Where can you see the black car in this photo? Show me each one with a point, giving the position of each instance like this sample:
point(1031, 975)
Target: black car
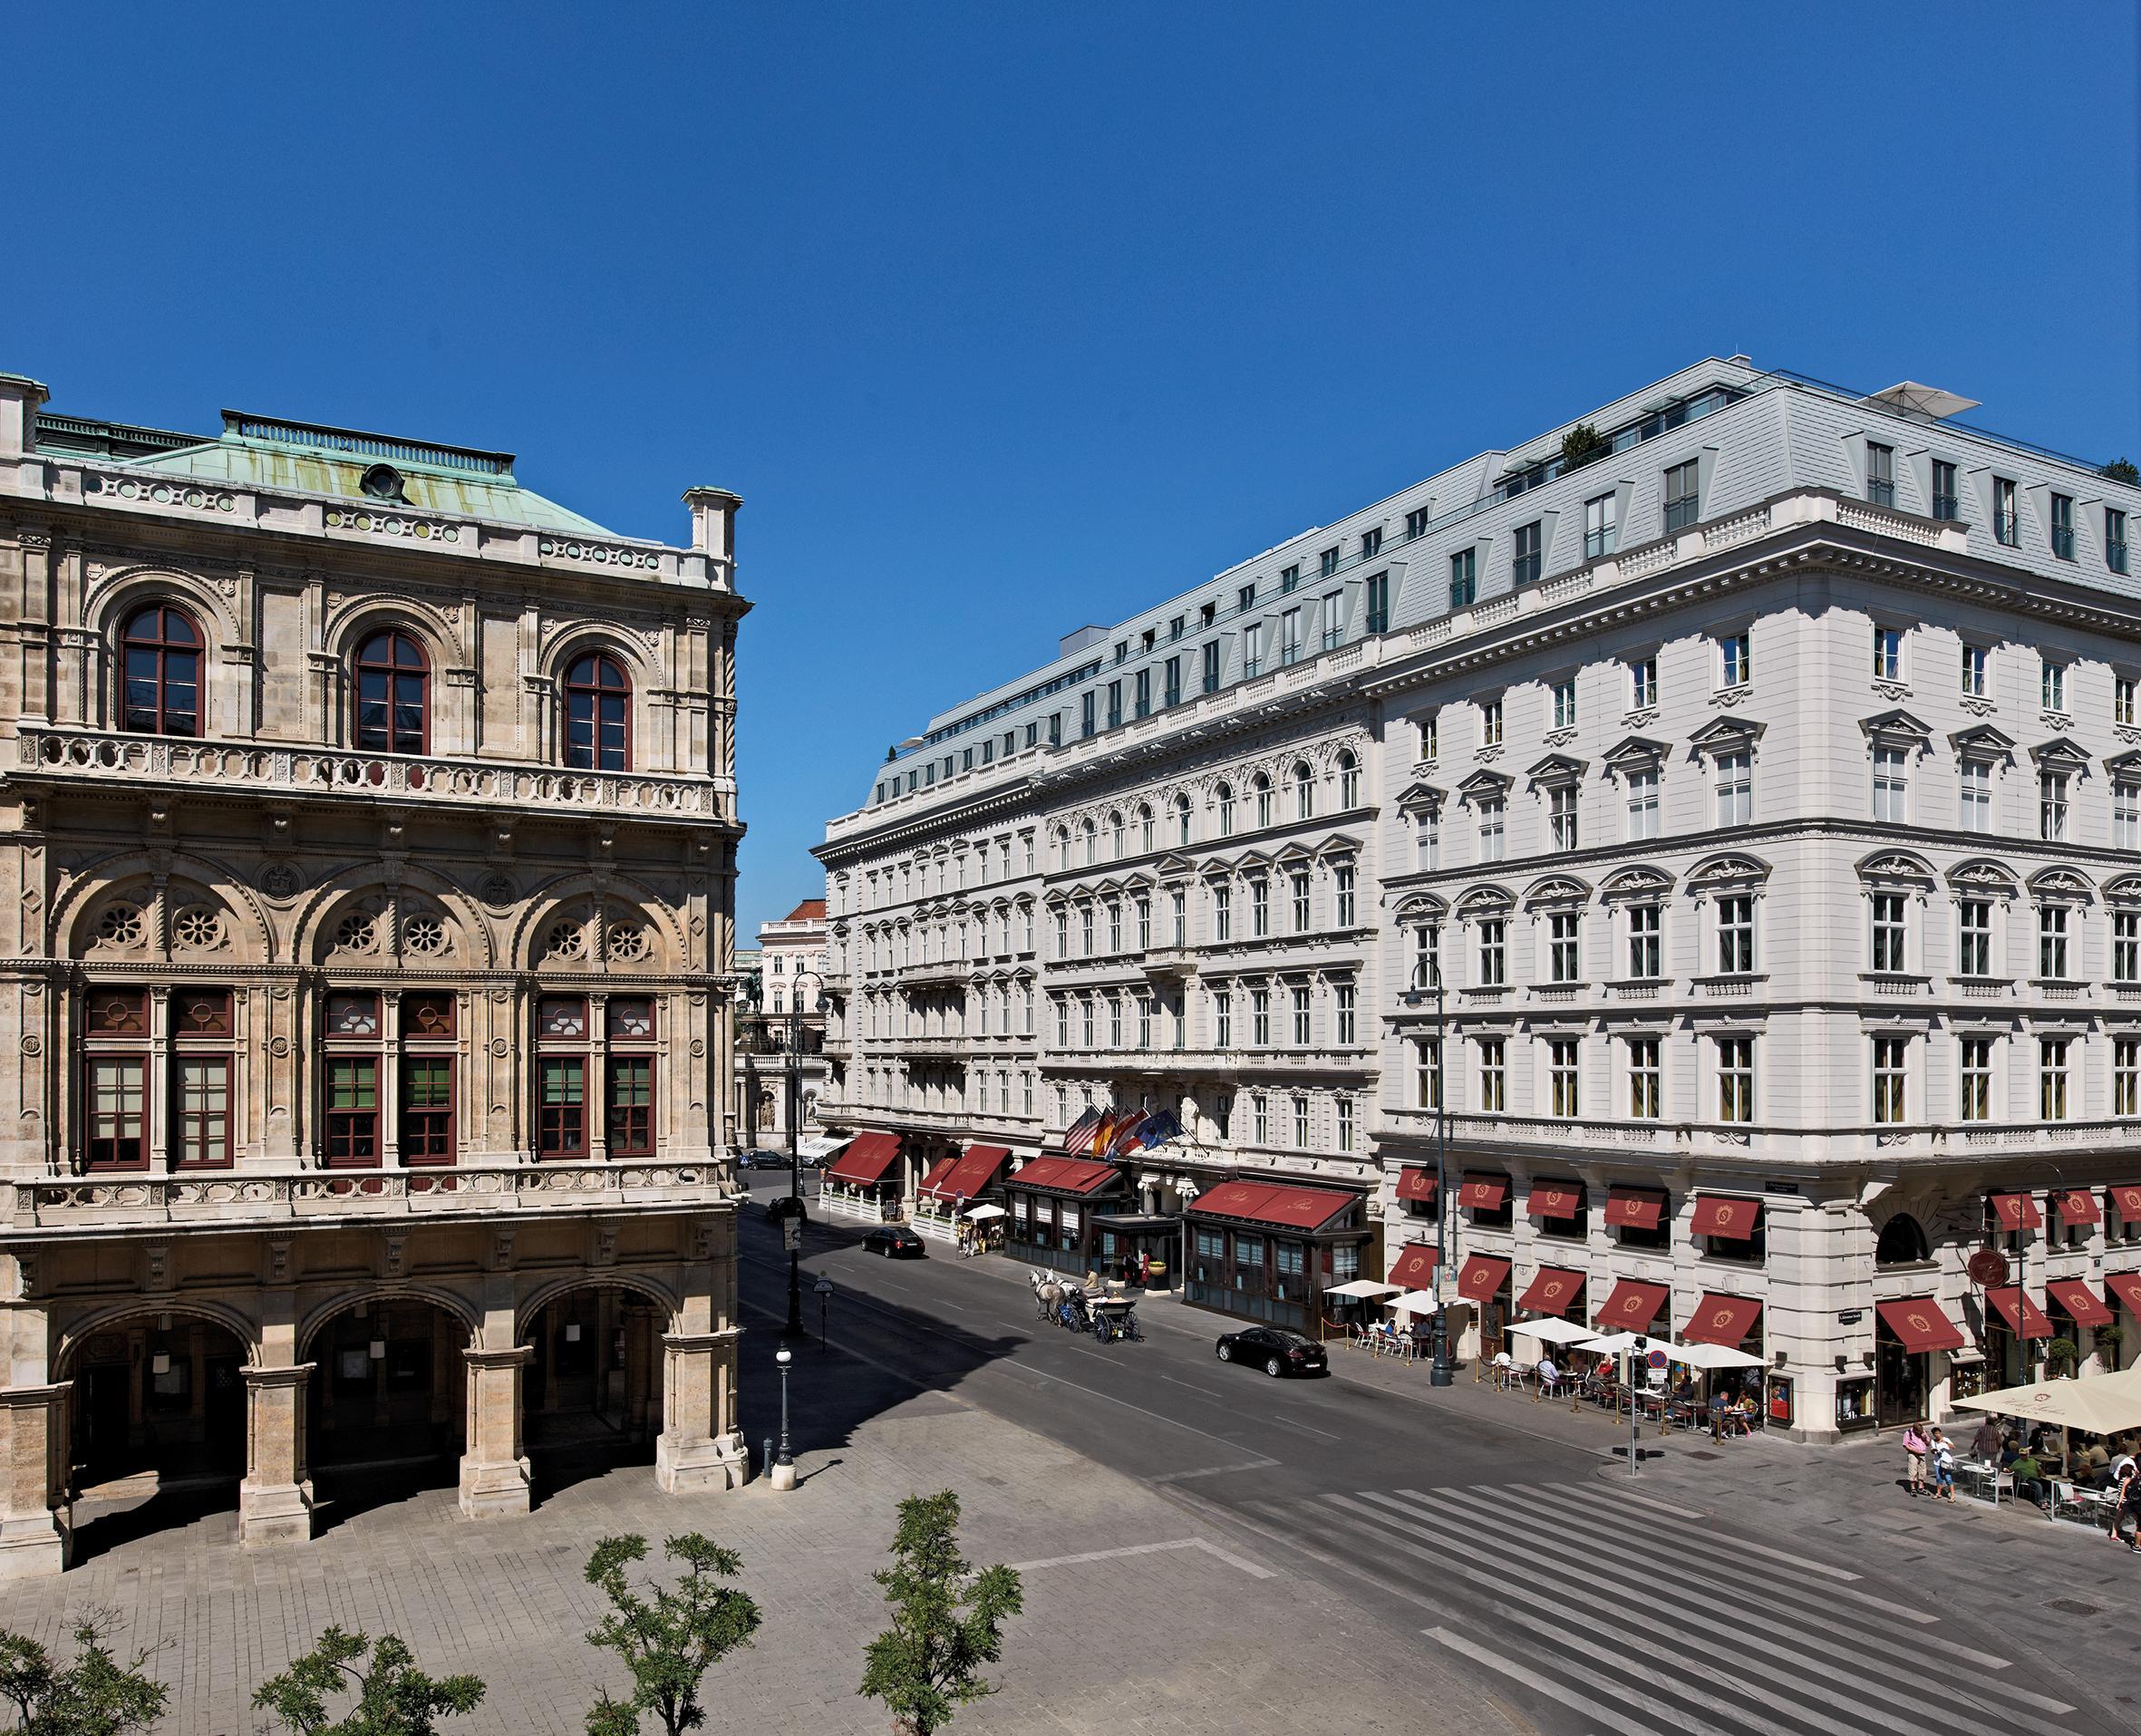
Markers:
point(760, 1159)
point(1276, 1352)
point(785, 1206)
point(895, 1242)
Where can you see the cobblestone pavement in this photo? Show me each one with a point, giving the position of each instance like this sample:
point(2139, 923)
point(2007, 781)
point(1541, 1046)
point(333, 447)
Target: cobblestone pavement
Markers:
point(1161, 1627)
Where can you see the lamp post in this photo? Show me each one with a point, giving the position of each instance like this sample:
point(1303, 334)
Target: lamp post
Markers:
point(1439, 1371)
point(784, 1468)
point(793, 1083)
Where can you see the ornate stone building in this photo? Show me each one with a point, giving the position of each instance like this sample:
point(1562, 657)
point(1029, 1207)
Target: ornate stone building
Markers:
point(783, 1015)
point(370, 841)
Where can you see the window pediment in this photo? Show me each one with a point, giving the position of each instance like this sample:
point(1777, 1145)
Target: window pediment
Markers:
point(1722, 871)
point(2059, 754)
point(1895, 729)
point(1983, 745)
point(2061, 884)
point(2125, 889)
point(1637, 883)
point(1895, 868)
point(1555, 771)
point(1418, 799)
point(1485, 901)
point(1485, 786)
point(1726, 735)
point(1422, 906)
point(1635, 754)
point(1556, 890)
point(1983, 875)
point(2125, 767)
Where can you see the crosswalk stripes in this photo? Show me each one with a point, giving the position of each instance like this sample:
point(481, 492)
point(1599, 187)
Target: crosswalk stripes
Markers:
point(1598, 1598)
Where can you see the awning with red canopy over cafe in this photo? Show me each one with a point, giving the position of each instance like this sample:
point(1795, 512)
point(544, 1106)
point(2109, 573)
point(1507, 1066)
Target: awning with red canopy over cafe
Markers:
point(1481, 1277)
point(1273, 1206)
point(1552, 1290)
point(2076, 1206)
point(1559, 1199)
point(865, 1159)
point(1415, 1186)
point(1632, 1306)
point(1722, 1215)
point(967, 1175)
point(2017, 1211)
point(2126, 1196)
point(2084, 1306)
point(1722, 1320)
point(1483, 1193)
point(1920, 1323)
point(1414, 1268)
point(2127, 1287)
point(2023, 1316)
point(1634, 1208)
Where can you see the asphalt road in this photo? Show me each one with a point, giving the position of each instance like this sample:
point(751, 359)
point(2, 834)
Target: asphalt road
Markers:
point(1582, 1604)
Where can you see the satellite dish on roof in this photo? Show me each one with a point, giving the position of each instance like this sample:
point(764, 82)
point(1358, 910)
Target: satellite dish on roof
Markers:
point(1923, 404)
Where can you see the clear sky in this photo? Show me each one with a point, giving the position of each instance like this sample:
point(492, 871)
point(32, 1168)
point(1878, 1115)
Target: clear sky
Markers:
point(1006, 318)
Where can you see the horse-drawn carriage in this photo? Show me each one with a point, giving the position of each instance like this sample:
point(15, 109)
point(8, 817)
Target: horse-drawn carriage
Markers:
point(1072, 1306)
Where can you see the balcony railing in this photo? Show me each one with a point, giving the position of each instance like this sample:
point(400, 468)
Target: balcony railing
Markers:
point(163, 762)
point(298, 1196)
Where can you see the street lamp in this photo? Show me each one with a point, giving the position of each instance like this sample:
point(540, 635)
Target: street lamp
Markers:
point(784, 1468)
point(793, 1083)
point(1438, 1370)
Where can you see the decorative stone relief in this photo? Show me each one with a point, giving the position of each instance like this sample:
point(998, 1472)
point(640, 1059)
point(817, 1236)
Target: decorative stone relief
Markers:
point(498, 890)
point(280, 880)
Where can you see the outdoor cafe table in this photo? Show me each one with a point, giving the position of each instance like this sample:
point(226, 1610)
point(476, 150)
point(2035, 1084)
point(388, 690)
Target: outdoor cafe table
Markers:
point(1985, 1484)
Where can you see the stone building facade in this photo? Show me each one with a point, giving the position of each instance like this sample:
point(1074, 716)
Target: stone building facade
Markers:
point(783, 1015)
point(369, 841)
point(1754, 766)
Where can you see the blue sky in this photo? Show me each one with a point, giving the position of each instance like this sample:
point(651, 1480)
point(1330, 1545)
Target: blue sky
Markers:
point(1006, 318)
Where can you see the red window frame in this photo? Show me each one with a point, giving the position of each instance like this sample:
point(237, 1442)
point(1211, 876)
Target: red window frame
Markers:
point(188, 1150)
point(426, 1132)
point(104, 1155)
point(352, 1134)
point(629, 1128)
point(392, 671)
point(597, 715)
point(165, 643)
point(561, 1127)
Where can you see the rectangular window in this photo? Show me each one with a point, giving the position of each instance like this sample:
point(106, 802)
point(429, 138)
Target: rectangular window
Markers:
point(2115, 540)
point(1681, 491)
point(1736, 934)
point(1490, 723)
point(1114, 704)
point(427, 1109)
point(1601, 525)
point(1646, 1093)
point(1977, 796)
point(1326, 565)
point(1563, 1077)
point(1735, 665)
point(1428, 841)
point(1171, 686)
point(2063, 525)
point(1260, 1130)
point(1736, 1078)
point(1974, 658)
point(1426, 956)
point(1493, 829)
point(2051, 806)
point(1525, 559)
point(1141, 694)
point(1371, 543)
point(1345, 1123)
point(2051, 1079)
point(1290, 637)
point(1346, 1003)
point(2007, 527)
point(201, 1125)
point(1736, 795)
point(1563, 962)
point(561, 1106)
point(1646, 941)
point(1880, 474)
point(1642, 684)
point(1259, 907)
point(118, 1112)
point(2051, 686)
point(1945, 505)
point(1889, 1054)
point(1565, 703)
point(1301, 1019)
point(1642, 803)
point(1222, 1019)
point(1260, 1017)
point(1334, 620)
point(1298, 882)
point(2122, 699)
point(2126, 1078)
point(1378, 603)
point(1245, 599)
point(1427, 1073)
point(1416, 524)
point(1211, 667)
point(2126, 814)
point(1115, 1021)
point(1343, 887)
point(1085, 717)
point(1973, 933)
point(1975, 1062)
point(1253, 649)
point(2051, 941)
point(1494, 1076)
point(1464, 579)
point(1494, 953)
point(2126, 946)
point(1889, 785)
point(1561, 817)
point(629, 1121)
point(1221, 913)
point(1888, 653)
point(353, 1109)
point(1179, 909)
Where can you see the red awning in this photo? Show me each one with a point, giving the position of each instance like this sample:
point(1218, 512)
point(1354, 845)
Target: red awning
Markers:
point(2017, 1211)
point(2128, 1201)
point(1722, 1320)
point(1553, 1200)
point(967, 1175)
point(1415, 1267)
point(1920, 1323)
point(938, 1170)
point(1065, 1175)
point(1722, 1215)
point(2083, 1305)
point(2127, 1287)
point(865, 1159)
point(1483, 1193)
point(1481, 1276)
point(1261, 1202)
point(1416, 1184)
point(1552, 1290)
point(1632, 1306)
point(2078, 1205)
point(1631, 1208)
point(2021, 1314)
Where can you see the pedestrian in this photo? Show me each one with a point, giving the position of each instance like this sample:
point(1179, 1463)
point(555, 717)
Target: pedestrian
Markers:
point(1717, 1414)
point(1914, 1457)
point(1984, 1445)
point(2126, 1520)
point(1145, 1269)
point(1944, 1467)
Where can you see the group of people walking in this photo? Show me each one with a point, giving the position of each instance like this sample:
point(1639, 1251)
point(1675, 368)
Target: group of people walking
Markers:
point(1928, 1451)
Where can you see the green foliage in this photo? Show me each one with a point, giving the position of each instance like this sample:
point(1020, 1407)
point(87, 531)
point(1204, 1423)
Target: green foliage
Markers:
point(96, 1695)
point(2121, 469)
point(2061, 1354)
point(2110, 1338)
point(394, 1698)
point(946, 1620)
point(1581, 445)
point(671, 1640)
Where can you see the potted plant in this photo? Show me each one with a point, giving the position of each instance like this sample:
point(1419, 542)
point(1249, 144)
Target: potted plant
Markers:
point(2108, 1338)
point(2060, 1356)
point(1582, 445)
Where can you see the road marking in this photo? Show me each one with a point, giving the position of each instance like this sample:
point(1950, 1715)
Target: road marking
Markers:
point(1212, 1470)
point(1194, 1387)
point(1289, 1422)
point(1210, 1547)
point(1538, 1684)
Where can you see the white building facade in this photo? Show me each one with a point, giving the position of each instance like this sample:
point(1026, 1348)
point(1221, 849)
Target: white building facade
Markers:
point(784, 1018)
point(1760, 763)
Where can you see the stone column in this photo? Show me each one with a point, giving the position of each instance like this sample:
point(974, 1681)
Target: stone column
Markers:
point(494, 1467)
point(34, 1532)
point(700, 1446)
point(274, 1500)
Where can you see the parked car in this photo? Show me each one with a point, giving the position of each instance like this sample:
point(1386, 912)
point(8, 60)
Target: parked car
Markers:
point(784, 1206)
point(1275, 1352)
point(760, 1159)
point(896, 1242)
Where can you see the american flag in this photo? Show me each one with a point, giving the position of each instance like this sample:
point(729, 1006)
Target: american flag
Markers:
point(1079, 1134)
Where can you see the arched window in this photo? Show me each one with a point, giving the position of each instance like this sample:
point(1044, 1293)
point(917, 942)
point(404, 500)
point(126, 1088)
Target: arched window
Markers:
point(1145, 837)
point(1263, 801)
point(1182, 821)
point(1902, 1242)
point(1115, 850)
point(598, 716)
point(161, 648)
point(393, 695)
point(1226, 794)
point(1349, 780)
point(1304, 793)
point(1092, 844)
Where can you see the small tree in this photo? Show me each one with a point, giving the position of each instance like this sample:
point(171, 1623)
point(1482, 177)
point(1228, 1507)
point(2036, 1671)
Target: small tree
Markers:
point(394, 1698)
point(95, 1696)
point(2060, 1356)
point(1581, 445)
point(2122, 470)
point(671, 1642)
point(928, 1662)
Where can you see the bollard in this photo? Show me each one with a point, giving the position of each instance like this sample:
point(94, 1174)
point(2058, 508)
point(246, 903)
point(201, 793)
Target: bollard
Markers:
point(766, 1455)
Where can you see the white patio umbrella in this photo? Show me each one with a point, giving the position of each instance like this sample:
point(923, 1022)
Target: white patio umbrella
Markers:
point(982, 1211)
point(1620, 1343)
point(1416, 1302)
point(2099, 1404)
point(1713, 1356)
point(1554, 1332)
point(1365, 1288)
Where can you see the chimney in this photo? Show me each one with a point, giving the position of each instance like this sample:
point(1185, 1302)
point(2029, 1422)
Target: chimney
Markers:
point(19, 399)
point(713, 522)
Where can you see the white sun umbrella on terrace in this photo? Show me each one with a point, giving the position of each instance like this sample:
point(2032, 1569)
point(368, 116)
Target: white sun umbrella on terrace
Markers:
point(982, 1211)
point(1416, 1302)
point(1713, 1356)
point(1619, 1343)
point(1552, 1331)
point(1365, 1288)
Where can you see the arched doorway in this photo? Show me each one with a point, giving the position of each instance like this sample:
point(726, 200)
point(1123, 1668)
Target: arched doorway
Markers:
point(593, 1389)
point(157, 1425)
point(386, 1404)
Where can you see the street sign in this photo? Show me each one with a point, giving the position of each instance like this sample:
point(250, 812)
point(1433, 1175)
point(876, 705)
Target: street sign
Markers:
point(824, 1287)
point(792, 1235)
point(1656, 1359)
